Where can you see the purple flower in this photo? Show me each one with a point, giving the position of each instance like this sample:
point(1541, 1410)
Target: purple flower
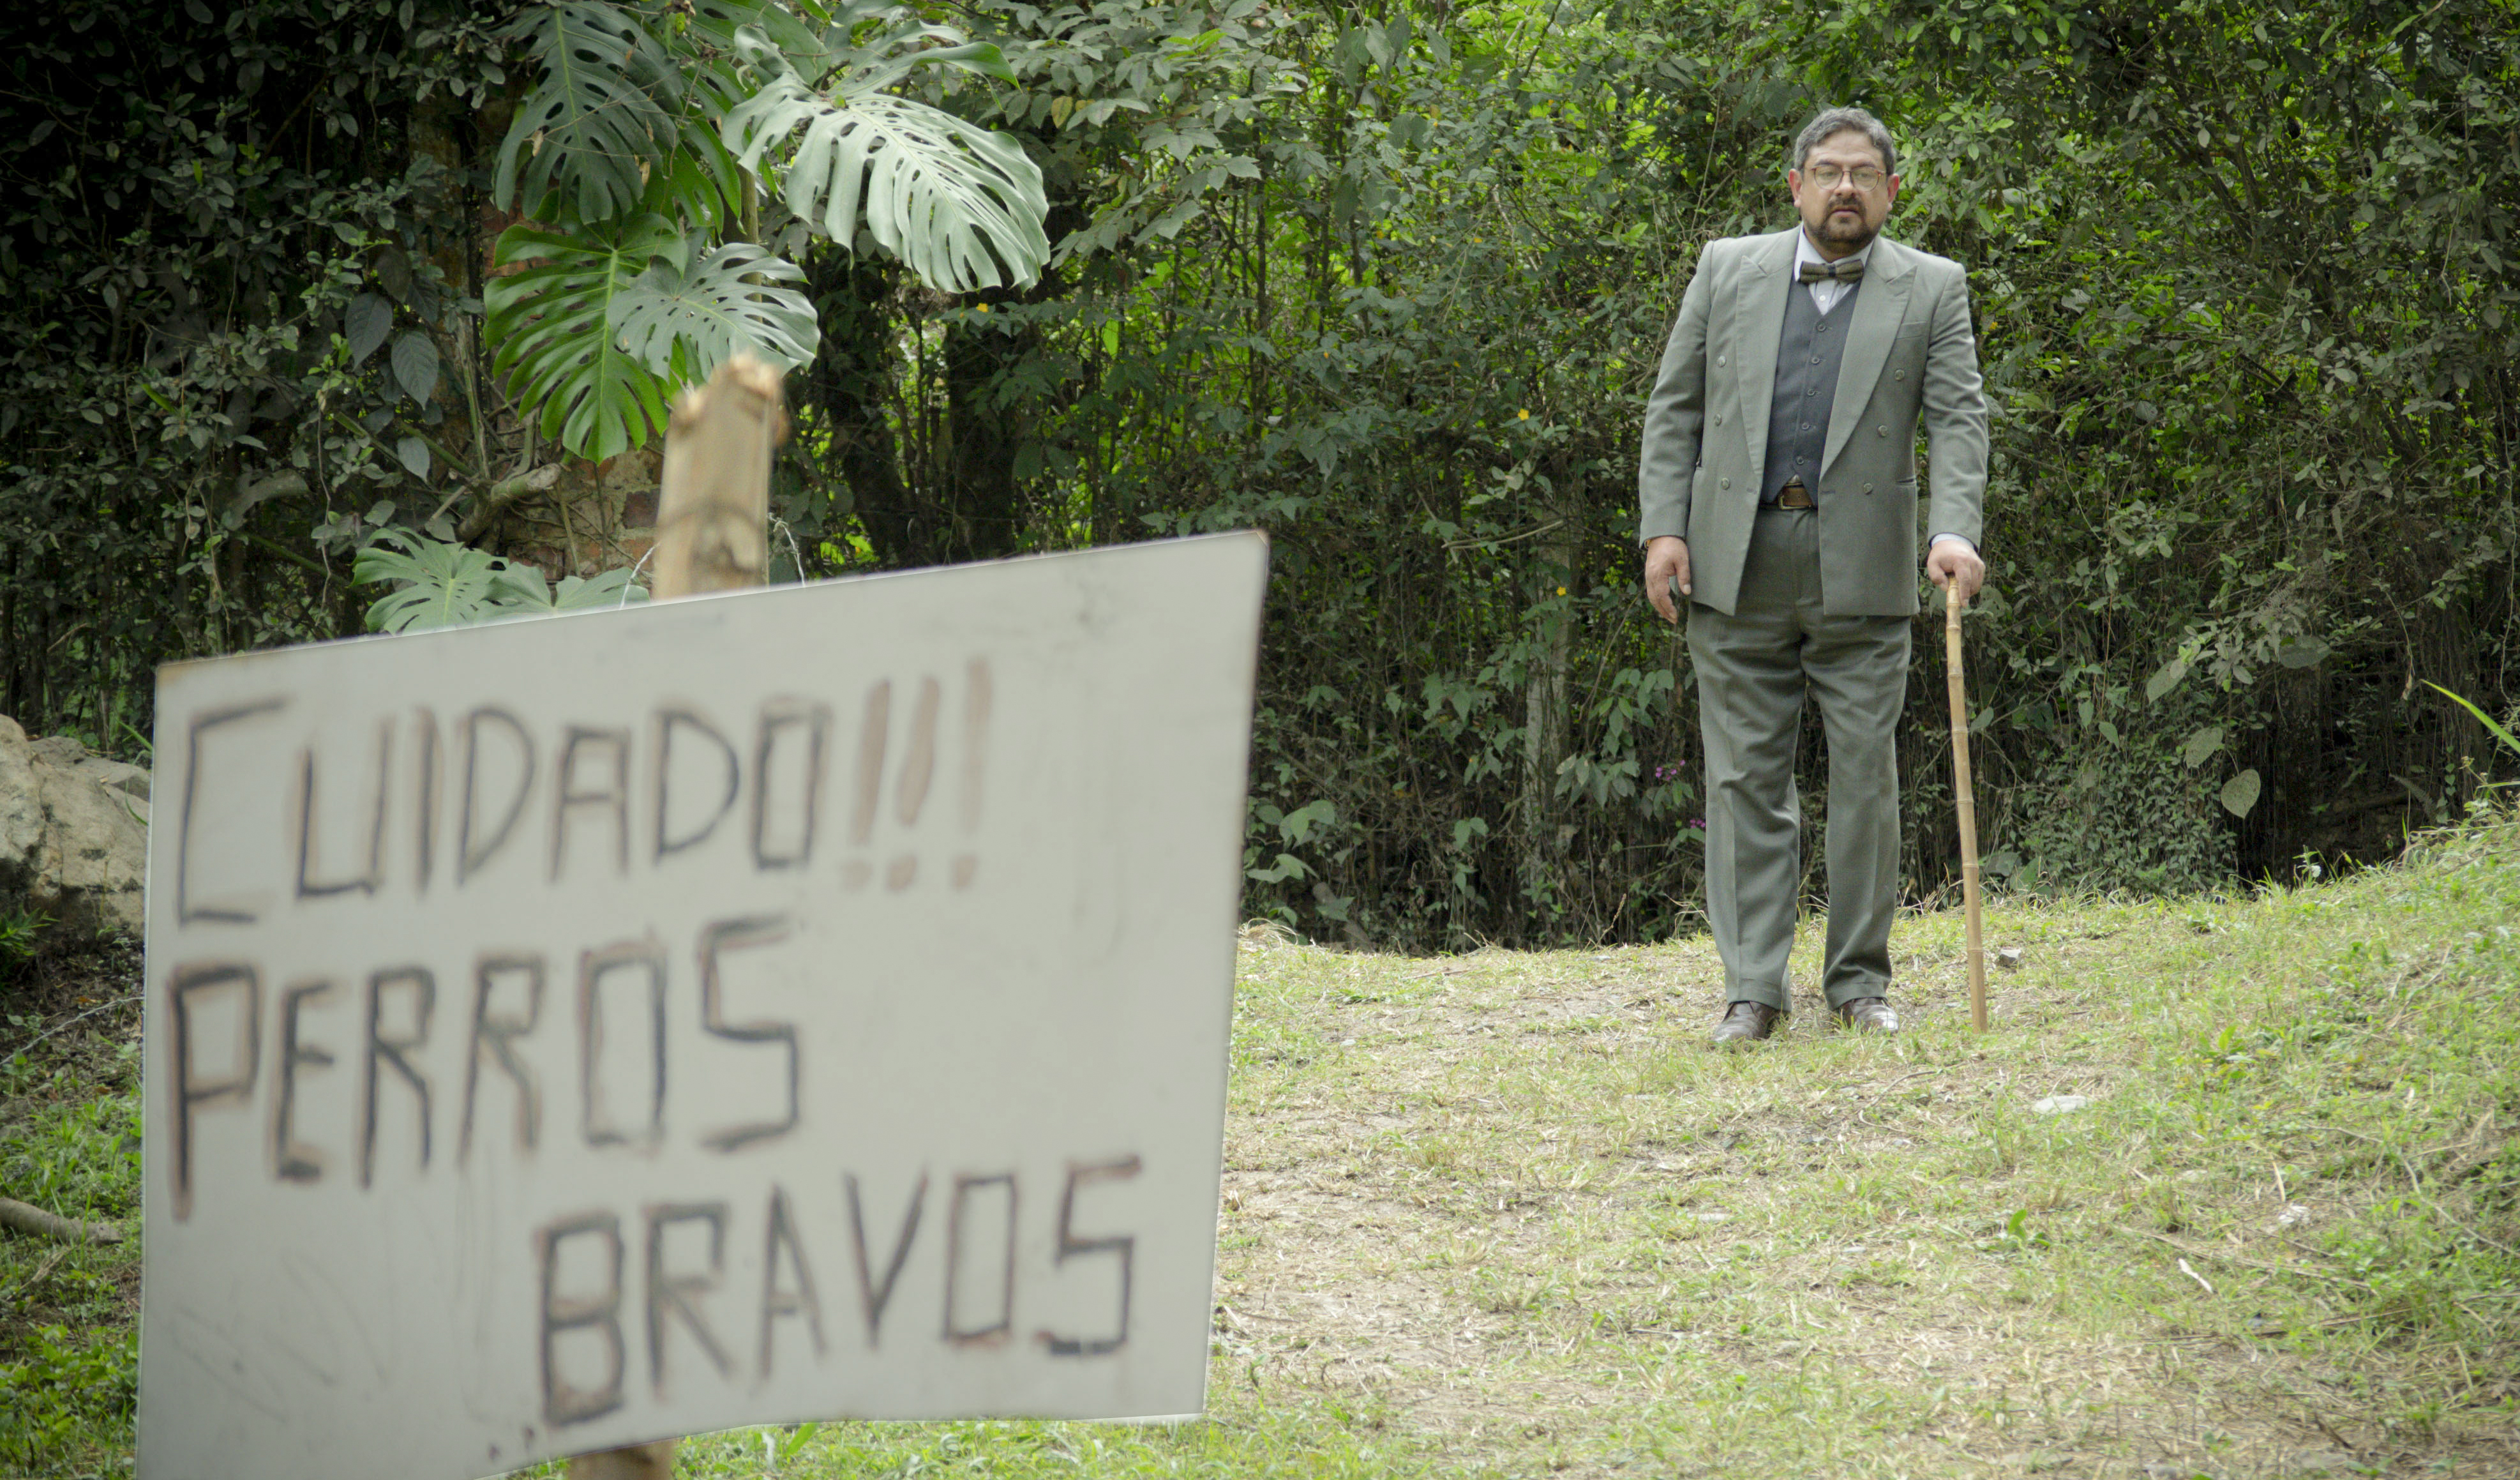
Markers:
point(1698, 822)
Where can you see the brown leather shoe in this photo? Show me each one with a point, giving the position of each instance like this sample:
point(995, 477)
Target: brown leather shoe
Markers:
point(1868, 1015)
point(1745, 1023)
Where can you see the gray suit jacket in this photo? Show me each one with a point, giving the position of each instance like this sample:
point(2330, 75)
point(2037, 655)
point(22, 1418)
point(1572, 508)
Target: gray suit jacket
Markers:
point(1910, 353)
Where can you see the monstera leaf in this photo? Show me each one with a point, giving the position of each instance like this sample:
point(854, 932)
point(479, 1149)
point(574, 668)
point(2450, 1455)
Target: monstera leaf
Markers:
point(696, 182)
point(959, 205)
point(436, 584)
point(554, 337)
point(631, 139)
point(441, 584)
point(523, 592)
point(709, 313)
point(600, 119)
point(718, 80)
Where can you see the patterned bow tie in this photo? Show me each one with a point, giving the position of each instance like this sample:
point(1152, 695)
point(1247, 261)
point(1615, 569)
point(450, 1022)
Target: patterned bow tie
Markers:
point(1843, 270)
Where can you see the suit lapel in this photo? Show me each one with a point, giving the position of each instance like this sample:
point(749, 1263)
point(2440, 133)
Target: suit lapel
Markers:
point(1762, 327)
point(1879, 306)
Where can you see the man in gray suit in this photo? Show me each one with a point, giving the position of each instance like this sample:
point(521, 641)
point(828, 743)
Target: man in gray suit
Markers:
point(1778, 496)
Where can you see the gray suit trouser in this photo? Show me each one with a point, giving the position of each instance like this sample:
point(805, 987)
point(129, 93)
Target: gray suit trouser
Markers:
point(1753, 669)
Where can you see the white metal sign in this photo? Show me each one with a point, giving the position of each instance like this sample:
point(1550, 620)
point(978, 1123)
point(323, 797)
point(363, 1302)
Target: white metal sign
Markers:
point(802, 1003)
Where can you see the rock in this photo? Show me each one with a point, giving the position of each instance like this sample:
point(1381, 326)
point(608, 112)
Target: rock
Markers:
point(73, 833)
point(22, 807)
point(2060, 1104)
point(58, 750)
point(2009, 957)
point(116, 775)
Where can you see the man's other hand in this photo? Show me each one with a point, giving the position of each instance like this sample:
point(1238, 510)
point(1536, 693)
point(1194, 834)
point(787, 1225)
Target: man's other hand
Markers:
point(1666, 563)
point(1951, 559)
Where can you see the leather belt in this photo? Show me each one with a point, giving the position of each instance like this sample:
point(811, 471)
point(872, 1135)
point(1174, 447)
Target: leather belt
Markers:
point(1793, 495)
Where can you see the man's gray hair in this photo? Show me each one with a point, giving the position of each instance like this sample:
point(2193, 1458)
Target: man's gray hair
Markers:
point(1838, 121)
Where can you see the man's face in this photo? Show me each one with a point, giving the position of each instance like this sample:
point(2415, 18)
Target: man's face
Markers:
point(1843, 216)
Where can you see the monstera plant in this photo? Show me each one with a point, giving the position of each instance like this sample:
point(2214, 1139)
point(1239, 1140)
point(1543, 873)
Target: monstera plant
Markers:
point(640, 160)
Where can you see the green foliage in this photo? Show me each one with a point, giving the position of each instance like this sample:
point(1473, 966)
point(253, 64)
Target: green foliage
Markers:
point(54, 1401)
point(685, 317)
point(528, 593)
point(600, 117)
point(2116, 818)
point(1405, 324)
point(441, 584)
point(21, 933)
point(218, 294)
point(558, 324)
point(79, 1159)
point(642, 130)
point(2501, 736)
point(69, 1353)
point(1389, 285)
point(961, 206)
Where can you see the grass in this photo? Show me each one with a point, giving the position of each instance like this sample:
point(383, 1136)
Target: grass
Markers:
point(1507, 1214)
point(69, 1143)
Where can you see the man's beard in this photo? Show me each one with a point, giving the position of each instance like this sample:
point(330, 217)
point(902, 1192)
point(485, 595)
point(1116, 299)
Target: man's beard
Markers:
point(1852, 233)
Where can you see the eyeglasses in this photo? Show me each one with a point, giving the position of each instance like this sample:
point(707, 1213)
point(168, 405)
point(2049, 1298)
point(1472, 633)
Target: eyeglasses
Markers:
point(1863, 177)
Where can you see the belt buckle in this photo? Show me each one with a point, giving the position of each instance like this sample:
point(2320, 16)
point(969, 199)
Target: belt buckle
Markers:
point(1794, 496)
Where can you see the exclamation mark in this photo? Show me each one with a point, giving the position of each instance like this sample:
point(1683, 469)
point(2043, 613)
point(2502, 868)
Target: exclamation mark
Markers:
point(424, 835)
point(870, 781)
point(976, 740)
point(917, 769)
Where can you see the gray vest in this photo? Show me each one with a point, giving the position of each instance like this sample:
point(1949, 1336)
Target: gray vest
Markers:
point(1807, 361)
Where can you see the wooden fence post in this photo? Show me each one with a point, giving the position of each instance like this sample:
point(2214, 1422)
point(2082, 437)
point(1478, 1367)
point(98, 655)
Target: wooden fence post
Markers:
point(712, 534)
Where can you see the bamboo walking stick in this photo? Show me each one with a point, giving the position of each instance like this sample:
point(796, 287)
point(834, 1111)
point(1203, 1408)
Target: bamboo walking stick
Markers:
point(1967, 804)
point(711, 535)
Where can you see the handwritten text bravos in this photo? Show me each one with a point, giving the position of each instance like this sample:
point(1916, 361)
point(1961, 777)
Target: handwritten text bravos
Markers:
point(464, 796)
point(680, 1306)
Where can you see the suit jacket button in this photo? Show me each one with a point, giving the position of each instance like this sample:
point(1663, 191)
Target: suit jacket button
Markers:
point(1867, 487)
point(1728, 482)
point(1719, 418)
point(1882, 431)
point(1719, 361)
point(1902, 375)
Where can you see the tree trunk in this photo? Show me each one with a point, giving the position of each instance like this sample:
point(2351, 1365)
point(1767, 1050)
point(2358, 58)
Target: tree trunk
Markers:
point(1545, 696)
point(984, 501)
point(849, 390)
